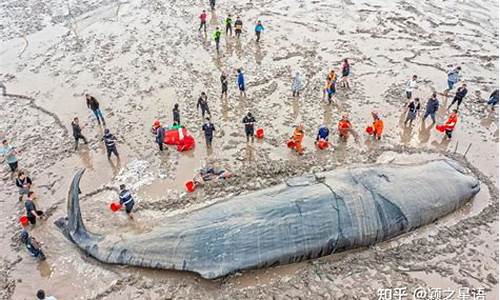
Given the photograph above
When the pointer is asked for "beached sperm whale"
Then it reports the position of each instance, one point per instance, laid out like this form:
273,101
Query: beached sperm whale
305,218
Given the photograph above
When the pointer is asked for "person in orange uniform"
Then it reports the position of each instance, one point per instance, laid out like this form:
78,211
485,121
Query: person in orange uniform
449,126
344,127
378,126
330,78
298,136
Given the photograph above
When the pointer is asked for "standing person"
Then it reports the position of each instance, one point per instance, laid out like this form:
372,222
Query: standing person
431,108
493,100
453,78
413,108
229,24
212,4
41,296
449,126
9,155
209,129
344,127
203,104
323,133
31,212
298,137
410,86
203,21
346,70
110,143
249,122
296,85
160,137
378,126
331,90
217,33
93,104
258,30
77,132
23,182
126,200
459,96
238,27
223,82
330,77
177,114
241,83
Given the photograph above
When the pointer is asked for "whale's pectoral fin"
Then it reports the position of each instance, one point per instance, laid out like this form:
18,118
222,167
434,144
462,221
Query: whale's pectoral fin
74,223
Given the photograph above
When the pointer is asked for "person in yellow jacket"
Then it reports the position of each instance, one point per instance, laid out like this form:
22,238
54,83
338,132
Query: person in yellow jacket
298,136
378,126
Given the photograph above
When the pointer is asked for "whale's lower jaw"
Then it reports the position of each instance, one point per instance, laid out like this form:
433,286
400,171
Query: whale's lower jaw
305,218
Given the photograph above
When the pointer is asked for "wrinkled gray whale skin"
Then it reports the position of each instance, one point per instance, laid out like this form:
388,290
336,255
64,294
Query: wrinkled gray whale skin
304,218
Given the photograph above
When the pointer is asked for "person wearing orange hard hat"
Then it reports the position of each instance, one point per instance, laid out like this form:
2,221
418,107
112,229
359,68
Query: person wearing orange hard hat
378,126
298,136
344,127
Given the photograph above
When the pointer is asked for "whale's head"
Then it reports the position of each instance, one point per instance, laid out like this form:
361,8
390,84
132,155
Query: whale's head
468,179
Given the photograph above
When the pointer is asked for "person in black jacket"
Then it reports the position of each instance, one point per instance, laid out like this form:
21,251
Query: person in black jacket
209,129
177,114
249,122
110,142
459,96
23,182
77,132
160,137
203,104
93,104
223,82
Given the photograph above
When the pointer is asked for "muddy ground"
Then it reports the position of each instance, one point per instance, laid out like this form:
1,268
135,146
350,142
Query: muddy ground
139,57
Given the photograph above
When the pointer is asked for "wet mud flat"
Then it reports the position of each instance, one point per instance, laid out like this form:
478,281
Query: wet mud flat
138,58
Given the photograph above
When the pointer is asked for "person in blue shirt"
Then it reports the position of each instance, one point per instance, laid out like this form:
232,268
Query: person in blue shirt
258,30
9,155
126,200
453,78
323,133
241,83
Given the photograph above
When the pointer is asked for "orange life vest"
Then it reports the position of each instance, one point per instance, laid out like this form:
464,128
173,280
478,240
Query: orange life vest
451,122
378,127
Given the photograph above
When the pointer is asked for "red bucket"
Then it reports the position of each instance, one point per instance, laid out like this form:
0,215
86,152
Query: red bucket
369,130
190,186
259,133
24,220
440,128
115,206
322,144
290,144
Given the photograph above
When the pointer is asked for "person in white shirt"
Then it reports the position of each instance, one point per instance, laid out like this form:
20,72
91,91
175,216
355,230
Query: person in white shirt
410,85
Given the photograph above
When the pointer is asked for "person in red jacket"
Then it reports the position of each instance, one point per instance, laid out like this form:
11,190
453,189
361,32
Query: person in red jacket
450,124
344,127
203,21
